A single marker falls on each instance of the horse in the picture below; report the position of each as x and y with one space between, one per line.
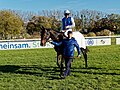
57 36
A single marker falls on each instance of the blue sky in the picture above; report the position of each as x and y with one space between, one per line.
108 6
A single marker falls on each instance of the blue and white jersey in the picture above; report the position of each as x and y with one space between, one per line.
68 22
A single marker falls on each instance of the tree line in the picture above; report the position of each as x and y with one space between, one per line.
21 24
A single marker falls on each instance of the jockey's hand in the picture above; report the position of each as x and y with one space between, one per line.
50 41
67 27
62 30
79 56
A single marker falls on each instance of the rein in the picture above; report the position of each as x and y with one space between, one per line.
53 34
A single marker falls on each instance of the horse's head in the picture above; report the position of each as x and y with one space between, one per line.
45 35
49 33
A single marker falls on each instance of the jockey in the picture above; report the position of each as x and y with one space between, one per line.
67 22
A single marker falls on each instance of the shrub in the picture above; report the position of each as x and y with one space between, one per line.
112 33
91 34
85 35
98 34
105 32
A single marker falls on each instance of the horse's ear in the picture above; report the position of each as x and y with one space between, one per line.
48 29
42 28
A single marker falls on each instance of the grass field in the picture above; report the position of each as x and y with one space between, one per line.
36 69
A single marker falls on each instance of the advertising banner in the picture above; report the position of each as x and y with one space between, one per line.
35 43
118 40
26 44
98 41
103 41
90 42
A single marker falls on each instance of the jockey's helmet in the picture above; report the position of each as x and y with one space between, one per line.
66 12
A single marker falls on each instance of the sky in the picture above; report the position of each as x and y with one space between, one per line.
107 6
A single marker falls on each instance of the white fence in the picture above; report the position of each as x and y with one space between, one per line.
35 43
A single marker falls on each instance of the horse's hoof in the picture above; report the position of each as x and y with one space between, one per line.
62 77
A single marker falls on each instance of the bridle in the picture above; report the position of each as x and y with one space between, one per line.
47 34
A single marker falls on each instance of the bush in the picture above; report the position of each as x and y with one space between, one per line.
85 35
98 34
91 34
105 32
112 33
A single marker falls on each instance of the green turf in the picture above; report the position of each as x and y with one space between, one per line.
36 69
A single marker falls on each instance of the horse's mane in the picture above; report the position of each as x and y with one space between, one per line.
56 35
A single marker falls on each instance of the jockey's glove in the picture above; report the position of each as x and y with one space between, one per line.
50 41
67 27
62 31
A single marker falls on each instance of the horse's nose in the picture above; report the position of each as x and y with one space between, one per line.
41 44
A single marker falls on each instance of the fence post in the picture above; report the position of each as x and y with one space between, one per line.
113 40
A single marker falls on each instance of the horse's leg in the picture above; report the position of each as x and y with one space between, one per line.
62 66
58 59
85 57
84 51
60 63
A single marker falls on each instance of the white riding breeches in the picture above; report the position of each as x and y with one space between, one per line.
66 32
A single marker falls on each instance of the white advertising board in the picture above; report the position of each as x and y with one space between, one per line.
103 41
98 41
90 42
35 43
118 40
26 44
